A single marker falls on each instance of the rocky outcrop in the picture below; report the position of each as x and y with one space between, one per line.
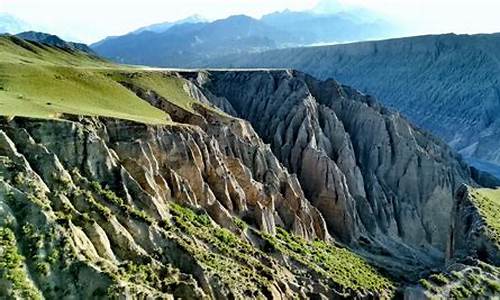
446 84
102 190
469 234
181 162
95 196
203 207
377 180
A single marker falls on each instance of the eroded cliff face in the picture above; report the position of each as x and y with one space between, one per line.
103 207
61 179
377 180
470 233
447 84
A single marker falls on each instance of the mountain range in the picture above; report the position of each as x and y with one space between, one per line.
447 84
119 181
54 40
162 27
193 39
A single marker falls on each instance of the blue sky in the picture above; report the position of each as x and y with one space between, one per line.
91 20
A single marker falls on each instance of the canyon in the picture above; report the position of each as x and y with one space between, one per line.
225 184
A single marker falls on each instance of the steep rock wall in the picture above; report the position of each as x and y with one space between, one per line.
375 178
447 84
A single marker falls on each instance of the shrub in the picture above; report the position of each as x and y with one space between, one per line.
226 237
460 292
426 284
240 224
112 198
493 285
456 275
53 256
200 218
42 268
439 279
12 267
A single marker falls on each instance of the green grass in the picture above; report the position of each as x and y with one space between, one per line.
43 82
439 279
12 268
49 91
488 204
234 261
343 267
15 50
478 282
165 85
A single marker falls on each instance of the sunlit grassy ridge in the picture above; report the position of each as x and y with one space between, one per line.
166 86
488 203
44 82
15 50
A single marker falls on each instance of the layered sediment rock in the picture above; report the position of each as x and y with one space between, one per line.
375 178
97 207
447 84
102 188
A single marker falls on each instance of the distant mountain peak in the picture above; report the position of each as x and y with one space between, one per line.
239 18
176 45
164 26
54 40
196 18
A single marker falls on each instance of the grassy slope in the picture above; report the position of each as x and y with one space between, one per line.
166 86
479 281
488 203
472 282
43 82
223 255
13 270
346 270
236 261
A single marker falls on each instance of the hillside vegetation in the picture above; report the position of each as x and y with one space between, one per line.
488 204
81 214
45 82
131 183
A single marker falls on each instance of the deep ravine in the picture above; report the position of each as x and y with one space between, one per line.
299 189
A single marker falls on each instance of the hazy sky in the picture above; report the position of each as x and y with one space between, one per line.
91 20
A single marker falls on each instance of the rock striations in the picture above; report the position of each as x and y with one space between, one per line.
447 84
375 178
95 207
